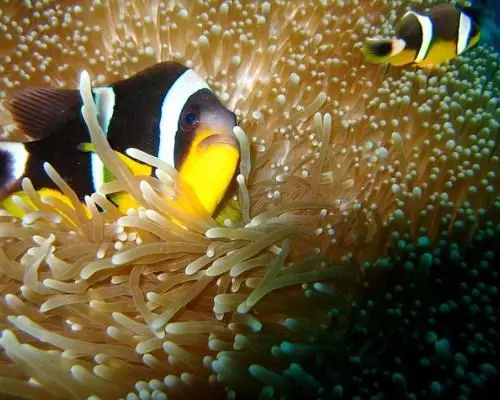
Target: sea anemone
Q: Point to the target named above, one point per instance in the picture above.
(363, 260)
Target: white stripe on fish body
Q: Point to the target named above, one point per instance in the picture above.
(464, 30)
(398, 45)
(105, 104)
(175, 99)
(18, 158)
(426, 24)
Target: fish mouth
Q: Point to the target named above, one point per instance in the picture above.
(219, 139)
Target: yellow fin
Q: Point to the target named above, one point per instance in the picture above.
(86, 147)
(135, 167)
(403, 58)
(229, 211)
(123, 201)
(9, 205)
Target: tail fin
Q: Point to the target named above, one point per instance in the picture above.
(379, 51)
(13, 160)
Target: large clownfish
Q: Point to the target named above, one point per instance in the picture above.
(426, 40)
(166, 110)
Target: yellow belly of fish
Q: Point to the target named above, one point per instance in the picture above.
(403, 58)
(439, 53)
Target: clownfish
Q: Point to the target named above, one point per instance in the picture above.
(166, 110)
(426, 40)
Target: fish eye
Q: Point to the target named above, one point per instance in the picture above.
(190, 120)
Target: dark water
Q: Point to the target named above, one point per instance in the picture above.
(490, 23)
(427, 333)
(496, 10)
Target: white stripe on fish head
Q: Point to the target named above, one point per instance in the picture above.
(175, 99)
(427, 30)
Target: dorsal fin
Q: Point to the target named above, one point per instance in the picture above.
(38, 112)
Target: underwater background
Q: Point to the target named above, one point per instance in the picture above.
(491, 27)
(365, 263)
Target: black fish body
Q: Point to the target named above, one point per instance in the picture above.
(165, 110)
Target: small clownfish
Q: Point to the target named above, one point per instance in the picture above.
(166, 110)
(426, 40)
